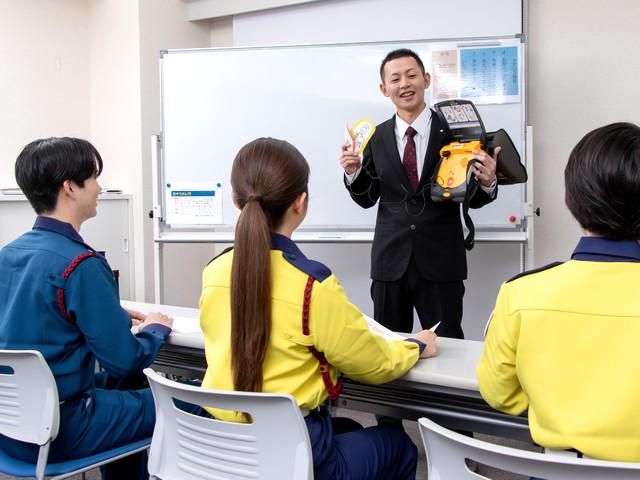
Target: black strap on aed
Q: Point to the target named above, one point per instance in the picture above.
(333, 390)
(65, 275)
(472, 187)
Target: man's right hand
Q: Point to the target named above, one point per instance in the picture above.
(156, 317)
(429, 339)
(349, 160)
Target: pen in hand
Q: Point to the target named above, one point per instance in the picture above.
(433, 329)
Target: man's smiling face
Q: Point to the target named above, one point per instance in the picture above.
(405, 83)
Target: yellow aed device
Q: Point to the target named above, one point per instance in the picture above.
(452, 180)
(452, 177)
(465, 132)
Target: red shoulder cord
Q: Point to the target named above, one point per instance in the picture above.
(67, 271)
(333, 390)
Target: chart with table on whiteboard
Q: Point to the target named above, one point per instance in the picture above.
(191, 204)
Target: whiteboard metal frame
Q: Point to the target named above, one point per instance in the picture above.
(312, 222)
(162, 233)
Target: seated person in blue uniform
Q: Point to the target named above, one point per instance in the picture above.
(58, 296)
(275, 321)
(563, 340)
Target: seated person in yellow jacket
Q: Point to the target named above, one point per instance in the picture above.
(270, 316)
(563, 341)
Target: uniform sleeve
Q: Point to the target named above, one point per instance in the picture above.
(91, 297)
(341, 332)
(365, 188)
(497, 377)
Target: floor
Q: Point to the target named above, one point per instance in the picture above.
(412, 429)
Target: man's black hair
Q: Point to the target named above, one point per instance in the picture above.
(399, 53)
(602, 181)
(44, 165)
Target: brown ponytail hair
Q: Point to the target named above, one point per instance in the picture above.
(266, 177)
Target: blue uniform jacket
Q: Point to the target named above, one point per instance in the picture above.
(30, 273)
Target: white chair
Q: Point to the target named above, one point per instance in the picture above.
(186, 446)
(447, 451)
(30, 412)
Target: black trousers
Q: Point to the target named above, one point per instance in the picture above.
(393, 303)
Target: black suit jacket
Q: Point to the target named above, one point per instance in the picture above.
(409, 226)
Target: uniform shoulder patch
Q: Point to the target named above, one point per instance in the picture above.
(312, 268)
(226, 250)
(535, 270)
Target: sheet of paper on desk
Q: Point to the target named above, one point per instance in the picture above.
(186, 325)
(378, 329)
(180, 325)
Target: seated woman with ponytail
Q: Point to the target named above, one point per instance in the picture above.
(271, 318)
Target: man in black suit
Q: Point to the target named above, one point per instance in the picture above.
(418, 257)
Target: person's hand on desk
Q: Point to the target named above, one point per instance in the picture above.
(136, 317)
(429, 339)
(156, 317)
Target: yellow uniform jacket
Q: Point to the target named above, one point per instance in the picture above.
(564, 343)
(337, 328)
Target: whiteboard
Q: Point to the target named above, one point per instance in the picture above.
(216, 100)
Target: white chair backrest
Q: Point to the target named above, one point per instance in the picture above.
(447, 451)
(185, 446)
(29, 407)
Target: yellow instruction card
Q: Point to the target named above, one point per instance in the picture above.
(361, 133)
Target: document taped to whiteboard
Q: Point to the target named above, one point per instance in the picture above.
(194, 204)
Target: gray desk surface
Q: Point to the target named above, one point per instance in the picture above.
(454, 366)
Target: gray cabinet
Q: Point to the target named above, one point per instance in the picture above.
(110, 231)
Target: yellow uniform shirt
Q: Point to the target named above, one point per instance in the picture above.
(337, 328)
(564, 343)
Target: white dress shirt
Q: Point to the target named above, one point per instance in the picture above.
(422, 125)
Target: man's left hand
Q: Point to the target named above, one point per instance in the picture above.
(485, 168)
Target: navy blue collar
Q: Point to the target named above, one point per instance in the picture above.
(598, 249)
(56, 226)
(295, 257)
(280, 242)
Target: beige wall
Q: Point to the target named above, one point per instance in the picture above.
(44, 84)
(126, 38)
(89, 68)
(162, 25)
(205, 9)
(114, 66)
(583, 73)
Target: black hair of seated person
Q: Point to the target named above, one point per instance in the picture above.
(602, 181)
(45, 164)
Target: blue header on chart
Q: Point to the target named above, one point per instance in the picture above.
(193, 193)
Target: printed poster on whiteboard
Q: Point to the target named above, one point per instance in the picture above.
(193, 204)
(490, 74)
(483, 75)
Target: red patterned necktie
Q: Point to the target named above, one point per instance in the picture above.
(409, 159)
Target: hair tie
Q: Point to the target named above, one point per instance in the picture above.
(254, 198)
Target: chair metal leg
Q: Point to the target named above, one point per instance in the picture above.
(43, 456)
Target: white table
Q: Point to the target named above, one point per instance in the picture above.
(444, 388)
